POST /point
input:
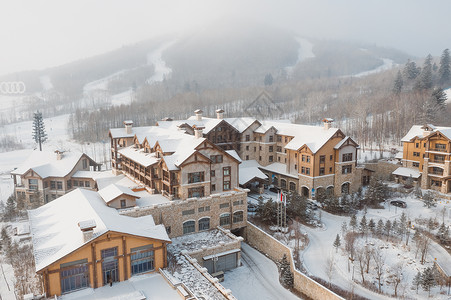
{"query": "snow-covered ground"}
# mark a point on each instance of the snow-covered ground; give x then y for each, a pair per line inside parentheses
(386, 65)
(305, 51)
(448, 95)
(162, 71)
(257, 278)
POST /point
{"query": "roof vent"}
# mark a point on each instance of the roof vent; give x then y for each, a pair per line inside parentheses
(198, 113)
(220, 114)
(87, 227)
(199, 131)
(128, 126)
(327, 123)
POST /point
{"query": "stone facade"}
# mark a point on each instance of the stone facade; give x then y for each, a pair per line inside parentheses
(275, 250)
(177, 212)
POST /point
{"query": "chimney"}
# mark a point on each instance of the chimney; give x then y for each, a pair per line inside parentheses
(128, 126)
(427, 129)
(87, 227)
(219, 114)
(327, 123)
(59, 154)
(198, 131)
(198, 113)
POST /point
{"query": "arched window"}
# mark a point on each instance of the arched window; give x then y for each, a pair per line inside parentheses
(224, 219)
(283, 183)
(238, 217)
(204, 224)
(345, 188)
(275, 181)
(292, 186)
(329, 190)
(189, 226)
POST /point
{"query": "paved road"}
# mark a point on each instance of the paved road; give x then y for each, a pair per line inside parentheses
(257, 278)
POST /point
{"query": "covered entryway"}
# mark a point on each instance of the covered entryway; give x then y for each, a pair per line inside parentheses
(221, 261)
(109, 266)
(304, 191)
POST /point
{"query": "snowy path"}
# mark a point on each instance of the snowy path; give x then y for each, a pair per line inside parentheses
(320, 248)
(6, 287)
(258, 278)
(443, 258)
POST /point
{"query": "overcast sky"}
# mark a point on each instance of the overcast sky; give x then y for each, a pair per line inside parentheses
(38, 34)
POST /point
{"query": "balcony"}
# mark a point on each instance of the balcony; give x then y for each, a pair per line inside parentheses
(437, 161)
(438, 150)
(438, 173)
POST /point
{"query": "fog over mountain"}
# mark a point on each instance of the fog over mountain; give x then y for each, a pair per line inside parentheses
(41, 34)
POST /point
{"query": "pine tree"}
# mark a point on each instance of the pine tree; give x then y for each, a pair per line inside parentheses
(429, 200)
(444, 70)
(439, 97)
(428, 280)
(337, 242)
(380, 227)
(411, 71)
(268, 79)
(353, 222)
(443, 233)
(424, 81)
(372, 226)
(6, 239)
(397, 86)
(387, 228)
(363, 225)
(417, 280)
(39, 134)
(10, 210)
(285, 272)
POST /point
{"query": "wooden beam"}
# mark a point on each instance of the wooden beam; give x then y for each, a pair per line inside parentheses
(94, 264)
(124, 252)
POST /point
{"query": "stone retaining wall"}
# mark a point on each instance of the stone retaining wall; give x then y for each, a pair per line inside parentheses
(275, 250)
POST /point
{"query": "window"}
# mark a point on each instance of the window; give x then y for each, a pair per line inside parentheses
(59, 185)
(259, 158)
(204, 224)
(189, 227)
(85, 163)
(417, 145)
(260, 148)
(212, 173)
(226, 171)
(278, 158)
(255, 149)
(330, 169)
(216, 159)
(247, 157)
(303, 158)
(142, 259)
(283, 183)
(436, 183)
(271, 148)
(196, 192)
(292, 186)
(331, 157)
(74, 275)
(271, 138)
(286, 139)
(295, 166)
(439, 158)
(322, 159)
(270, 158)
(346, 169)
(347, 157)
(345, 188)
(213, 187)
(123, 203)
(247, 148)
(87, 184)
(224, 219)
(302, 170)
(248, 137)
(238, 217)
(415, 164)
(416, 154)
(195, 177)
(307, 171)
(53, 185)
(279, 149)
(33, 184)
(295, 155)
(188, 212)
(226, 186)
(168, 229)
(279, 138)
(219, 128)
(69, 184)
(46, 184)
(81, 183)
(321, 171)
(308, 158)
(238, 202)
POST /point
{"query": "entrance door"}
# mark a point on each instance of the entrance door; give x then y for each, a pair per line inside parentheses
(109, 266)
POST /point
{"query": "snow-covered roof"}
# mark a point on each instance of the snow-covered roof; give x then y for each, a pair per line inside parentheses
(55, 230)
(207, 123)
(249, 169)
(234, 155)
(279, 168)
(240, 124)
(91, 174)
(340, 143)
(122, 133)
(417, 131)
(314, 137)
(139, 156)
(46, 164)
(406, 172)
(113, 191)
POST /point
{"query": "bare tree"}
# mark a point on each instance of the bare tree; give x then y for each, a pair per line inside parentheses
(330, 269)
(423, 244)
(367, 257)
(379, 263)
(361, 260)
(397, 276)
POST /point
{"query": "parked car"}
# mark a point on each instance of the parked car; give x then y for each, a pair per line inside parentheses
(399, 203)
(251, 207)
(274, 189)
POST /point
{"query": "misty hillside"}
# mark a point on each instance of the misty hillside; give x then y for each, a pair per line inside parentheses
(234, 54)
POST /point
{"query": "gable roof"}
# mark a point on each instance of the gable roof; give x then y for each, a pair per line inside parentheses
(113, 191)
(56, 233)
(45, 163)
(416, 131)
